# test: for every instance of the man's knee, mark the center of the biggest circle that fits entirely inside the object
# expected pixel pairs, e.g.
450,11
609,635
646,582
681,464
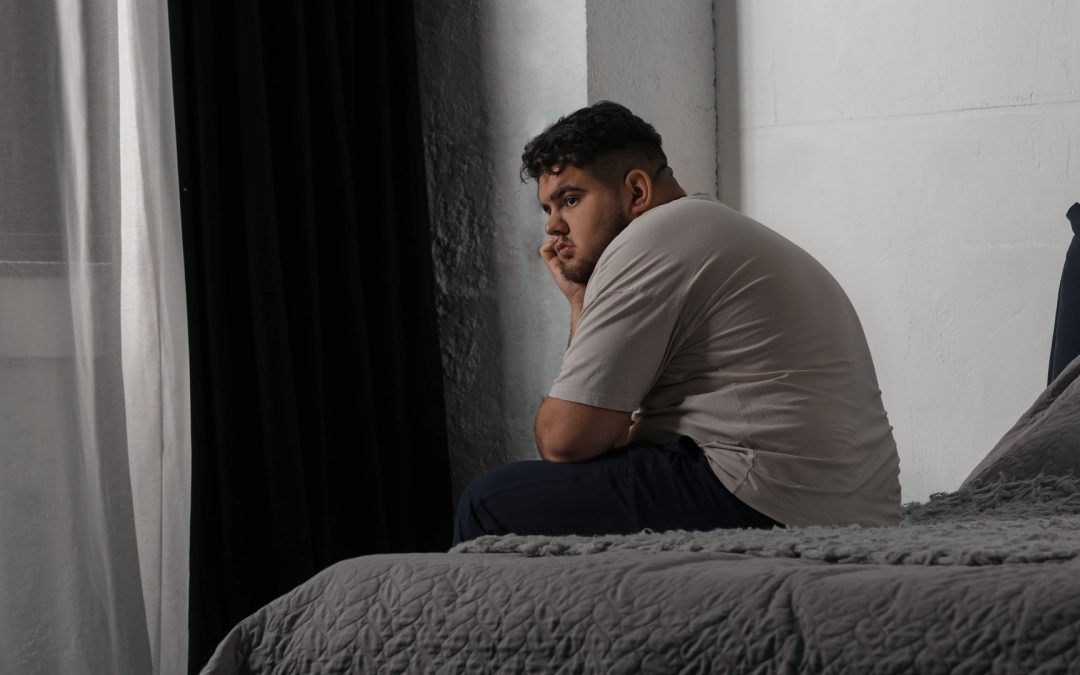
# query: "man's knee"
473,518
481,487
473,494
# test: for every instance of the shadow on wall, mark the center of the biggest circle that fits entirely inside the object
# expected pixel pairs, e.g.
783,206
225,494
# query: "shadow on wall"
459,176
728,118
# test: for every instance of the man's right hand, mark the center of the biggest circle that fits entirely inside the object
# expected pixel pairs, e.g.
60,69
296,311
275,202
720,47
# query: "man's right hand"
573,291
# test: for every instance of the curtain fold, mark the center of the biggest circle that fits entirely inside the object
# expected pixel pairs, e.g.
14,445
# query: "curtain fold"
154,327
1065,341
318,425
92,377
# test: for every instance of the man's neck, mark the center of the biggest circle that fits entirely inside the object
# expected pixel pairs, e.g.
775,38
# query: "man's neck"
665,192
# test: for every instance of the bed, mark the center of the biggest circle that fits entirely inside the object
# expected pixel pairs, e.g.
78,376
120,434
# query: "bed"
982,579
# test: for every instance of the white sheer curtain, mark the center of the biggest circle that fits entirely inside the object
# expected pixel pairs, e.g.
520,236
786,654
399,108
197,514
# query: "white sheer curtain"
94,443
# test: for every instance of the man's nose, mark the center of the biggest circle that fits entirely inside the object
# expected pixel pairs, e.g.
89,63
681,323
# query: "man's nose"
555,225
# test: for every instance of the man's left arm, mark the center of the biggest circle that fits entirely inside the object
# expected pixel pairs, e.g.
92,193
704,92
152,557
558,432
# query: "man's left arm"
606,372
574,432
613,360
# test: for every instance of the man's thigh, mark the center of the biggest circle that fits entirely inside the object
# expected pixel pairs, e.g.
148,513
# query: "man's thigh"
661,487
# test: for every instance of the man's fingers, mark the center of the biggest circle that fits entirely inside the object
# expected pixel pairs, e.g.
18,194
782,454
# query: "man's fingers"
555,266
547,250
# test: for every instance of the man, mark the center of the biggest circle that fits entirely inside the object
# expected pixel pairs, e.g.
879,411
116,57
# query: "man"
716,375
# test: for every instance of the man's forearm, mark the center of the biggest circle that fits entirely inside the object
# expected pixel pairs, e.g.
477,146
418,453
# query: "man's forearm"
575,316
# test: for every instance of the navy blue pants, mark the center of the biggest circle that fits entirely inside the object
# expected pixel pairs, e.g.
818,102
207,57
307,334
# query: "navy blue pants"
661,487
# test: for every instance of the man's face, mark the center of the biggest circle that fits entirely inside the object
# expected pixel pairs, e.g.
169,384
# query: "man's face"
583,217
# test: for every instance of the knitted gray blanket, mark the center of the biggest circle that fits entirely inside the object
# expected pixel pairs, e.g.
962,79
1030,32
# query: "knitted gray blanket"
991,523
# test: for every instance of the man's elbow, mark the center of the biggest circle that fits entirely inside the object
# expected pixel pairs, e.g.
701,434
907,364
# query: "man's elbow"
556,457
554,447
571,432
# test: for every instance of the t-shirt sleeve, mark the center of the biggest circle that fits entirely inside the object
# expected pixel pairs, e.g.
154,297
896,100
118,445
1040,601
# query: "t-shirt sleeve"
622,344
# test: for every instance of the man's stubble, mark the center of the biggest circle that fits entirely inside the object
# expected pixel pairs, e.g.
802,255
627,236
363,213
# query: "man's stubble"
580,269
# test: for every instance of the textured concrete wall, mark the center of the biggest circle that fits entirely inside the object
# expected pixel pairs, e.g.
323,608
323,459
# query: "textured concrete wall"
656,58
494,74
923,151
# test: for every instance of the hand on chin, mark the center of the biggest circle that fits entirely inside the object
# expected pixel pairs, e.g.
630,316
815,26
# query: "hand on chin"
563,272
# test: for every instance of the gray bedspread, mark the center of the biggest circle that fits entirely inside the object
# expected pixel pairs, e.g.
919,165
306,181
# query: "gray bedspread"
984,579
1004,597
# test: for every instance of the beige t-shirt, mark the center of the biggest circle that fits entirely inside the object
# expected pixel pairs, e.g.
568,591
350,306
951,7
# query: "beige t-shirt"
708,324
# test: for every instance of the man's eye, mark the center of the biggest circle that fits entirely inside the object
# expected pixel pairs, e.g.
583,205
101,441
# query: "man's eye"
572,201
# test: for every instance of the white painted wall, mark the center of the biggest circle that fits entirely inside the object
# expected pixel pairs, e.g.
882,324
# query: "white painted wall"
920,150
656,58
923,151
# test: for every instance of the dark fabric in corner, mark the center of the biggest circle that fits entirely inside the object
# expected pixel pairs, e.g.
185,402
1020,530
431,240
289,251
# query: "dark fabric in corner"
317,407
1065,345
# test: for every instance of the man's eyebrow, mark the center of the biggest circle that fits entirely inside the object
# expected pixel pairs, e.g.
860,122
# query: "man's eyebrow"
558,194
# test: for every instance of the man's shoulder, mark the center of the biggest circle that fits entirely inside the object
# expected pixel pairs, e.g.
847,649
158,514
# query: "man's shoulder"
695,207
700,214
661,248
681,230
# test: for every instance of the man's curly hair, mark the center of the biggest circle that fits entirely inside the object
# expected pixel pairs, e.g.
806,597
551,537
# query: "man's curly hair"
603,131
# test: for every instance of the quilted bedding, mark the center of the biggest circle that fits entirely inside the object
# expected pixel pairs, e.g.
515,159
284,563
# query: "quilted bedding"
984,579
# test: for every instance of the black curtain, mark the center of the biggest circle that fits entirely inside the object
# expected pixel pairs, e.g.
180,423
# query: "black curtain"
318,429
1065,345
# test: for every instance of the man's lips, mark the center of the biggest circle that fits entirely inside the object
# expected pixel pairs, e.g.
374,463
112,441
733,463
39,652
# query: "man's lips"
562,246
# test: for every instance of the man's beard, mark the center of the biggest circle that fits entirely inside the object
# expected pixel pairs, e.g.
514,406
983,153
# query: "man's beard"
580,269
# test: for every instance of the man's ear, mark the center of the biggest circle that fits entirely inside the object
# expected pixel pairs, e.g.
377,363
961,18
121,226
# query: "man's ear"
639,186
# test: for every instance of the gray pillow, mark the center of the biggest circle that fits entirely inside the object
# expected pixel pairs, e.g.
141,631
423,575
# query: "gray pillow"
1044,441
